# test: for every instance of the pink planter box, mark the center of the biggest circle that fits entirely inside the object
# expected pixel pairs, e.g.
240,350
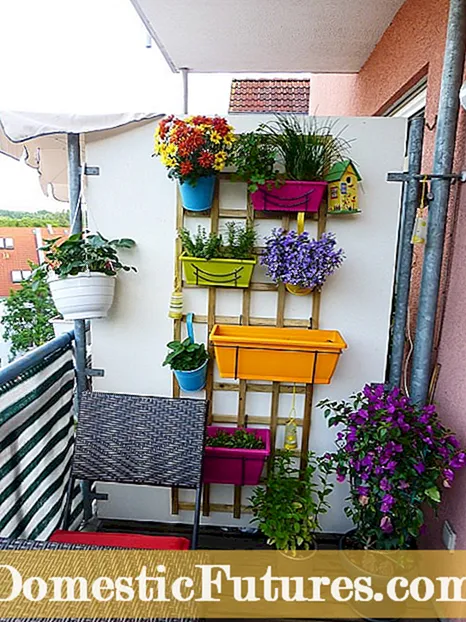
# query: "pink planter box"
293,196
223,465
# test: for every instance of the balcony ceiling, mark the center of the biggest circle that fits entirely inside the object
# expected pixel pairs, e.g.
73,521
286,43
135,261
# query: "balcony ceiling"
311,36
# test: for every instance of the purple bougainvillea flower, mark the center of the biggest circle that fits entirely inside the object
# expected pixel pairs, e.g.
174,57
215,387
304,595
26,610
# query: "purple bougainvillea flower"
458,461
385,484
387,503
386,524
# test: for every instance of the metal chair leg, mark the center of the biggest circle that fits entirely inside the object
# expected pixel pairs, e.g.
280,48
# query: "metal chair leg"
197,518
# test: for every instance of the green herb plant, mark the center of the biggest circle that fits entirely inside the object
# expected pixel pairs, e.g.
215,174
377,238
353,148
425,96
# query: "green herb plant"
254,158
239,439
185,355
239,242
288,508
84,252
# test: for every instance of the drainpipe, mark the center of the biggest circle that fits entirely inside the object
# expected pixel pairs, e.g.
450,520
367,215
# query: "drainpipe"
405,257
440,187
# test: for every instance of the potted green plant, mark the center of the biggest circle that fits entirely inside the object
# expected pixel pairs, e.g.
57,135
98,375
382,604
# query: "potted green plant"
288,509
81,273
235,455
188,361
254,159
305,149
216,260
194,150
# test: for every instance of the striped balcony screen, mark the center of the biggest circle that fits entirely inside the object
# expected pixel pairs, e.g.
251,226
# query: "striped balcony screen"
36,446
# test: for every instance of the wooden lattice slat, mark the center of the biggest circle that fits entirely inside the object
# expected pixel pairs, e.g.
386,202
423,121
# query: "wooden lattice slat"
242,387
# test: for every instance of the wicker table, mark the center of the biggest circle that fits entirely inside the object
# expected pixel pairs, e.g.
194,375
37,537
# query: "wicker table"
34,545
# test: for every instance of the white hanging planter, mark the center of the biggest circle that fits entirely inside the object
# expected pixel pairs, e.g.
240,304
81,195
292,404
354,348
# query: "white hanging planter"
87,295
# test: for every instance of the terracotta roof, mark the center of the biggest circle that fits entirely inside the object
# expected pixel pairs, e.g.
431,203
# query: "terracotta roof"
291,96
24,250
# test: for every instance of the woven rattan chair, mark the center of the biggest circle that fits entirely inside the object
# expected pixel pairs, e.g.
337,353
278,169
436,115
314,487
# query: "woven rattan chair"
132,439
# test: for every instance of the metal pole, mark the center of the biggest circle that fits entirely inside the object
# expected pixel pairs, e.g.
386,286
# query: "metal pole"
403,277
74,185
184,73
76,218
443,160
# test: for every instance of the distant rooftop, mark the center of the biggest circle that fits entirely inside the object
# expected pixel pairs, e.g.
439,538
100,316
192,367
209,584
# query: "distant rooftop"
269,95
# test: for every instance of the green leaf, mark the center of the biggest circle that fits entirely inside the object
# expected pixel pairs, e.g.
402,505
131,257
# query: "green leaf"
433,493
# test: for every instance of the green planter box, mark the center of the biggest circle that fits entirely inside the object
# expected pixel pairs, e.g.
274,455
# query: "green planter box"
218,272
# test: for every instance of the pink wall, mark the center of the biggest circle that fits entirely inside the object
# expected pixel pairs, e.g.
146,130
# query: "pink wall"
412,47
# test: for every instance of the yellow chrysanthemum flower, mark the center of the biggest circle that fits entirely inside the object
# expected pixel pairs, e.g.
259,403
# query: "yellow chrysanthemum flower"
229,139
171,149
215,137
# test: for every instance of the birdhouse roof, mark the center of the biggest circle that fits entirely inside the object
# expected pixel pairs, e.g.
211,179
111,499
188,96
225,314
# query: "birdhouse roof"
338,170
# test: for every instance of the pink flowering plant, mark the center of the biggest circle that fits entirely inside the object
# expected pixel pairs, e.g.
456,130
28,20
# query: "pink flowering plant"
397,457
298,259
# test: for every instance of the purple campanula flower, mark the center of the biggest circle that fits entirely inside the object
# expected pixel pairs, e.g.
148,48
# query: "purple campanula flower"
297,259
420,468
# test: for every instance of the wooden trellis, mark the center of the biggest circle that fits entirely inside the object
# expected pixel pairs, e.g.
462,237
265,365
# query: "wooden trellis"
244,386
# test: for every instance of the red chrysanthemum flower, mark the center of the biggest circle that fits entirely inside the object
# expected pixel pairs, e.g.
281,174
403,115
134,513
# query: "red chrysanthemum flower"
186,168
206,159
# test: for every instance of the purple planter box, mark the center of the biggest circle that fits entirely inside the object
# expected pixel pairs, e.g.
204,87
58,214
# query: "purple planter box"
223,465
292,196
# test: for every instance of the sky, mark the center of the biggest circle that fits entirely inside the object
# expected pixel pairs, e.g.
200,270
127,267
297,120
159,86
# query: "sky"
88,56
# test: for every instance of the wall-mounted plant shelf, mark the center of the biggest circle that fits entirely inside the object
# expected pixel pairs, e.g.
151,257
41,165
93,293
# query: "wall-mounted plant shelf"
225,465
218,272
277,354
291,196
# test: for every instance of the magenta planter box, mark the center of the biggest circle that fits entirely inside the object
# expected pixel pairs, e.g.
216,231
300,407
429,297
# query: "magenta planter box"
293,196
223,465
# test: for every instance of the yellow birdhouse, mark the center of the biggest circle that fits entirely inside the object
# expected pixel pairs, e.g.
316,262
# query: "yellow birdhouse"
343,188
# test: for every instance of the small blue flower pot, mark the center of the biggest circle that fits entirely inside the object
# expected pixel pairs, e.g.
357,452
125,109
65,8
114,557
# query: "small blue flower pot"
199,197
194,380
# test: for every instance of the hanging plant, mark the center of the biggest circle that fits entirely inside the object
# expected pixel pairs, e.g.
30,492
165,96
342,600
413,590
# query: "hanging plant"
296,259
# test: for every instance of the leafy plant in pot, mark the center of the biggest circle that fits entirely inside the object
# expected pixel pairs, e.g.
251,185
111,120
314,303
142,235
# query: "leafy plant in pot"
81,273
287,510
220,260
235,456
299,261
194,150
397,457
305,149
188,361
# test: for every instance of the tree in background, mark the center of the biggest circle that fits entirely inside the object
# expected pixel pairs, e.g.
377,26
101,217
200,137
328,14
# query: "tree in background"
41,218
27,313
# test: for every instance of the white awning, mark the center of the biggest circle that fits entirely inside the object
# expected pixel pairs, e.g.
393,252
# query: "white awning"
41,139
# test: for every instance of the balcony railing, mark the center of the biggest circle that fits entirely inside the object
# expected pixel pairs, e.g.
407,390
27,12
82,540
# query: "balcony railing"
36,441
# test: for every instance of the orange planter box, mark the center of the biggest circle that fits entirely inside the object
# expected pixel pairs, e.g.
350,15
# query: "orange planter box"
280,354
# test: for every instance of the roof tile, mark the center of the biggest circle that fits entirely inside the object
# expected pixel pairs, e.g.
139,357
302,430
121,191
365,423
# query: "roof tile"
268,95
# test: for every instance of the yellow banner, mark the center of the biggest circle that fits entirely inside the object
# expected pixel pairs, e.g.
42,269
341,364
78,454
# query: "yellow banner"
232,584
